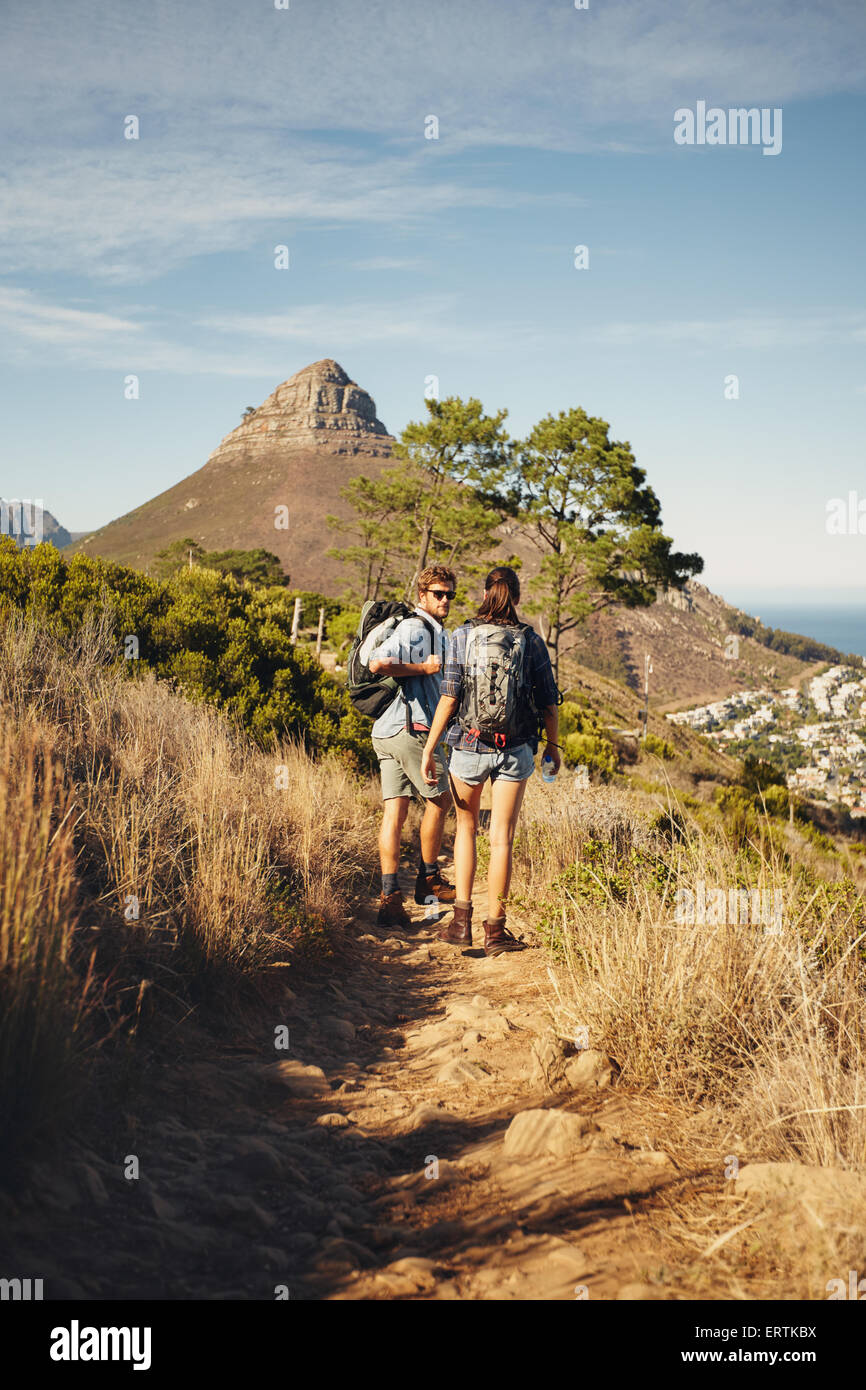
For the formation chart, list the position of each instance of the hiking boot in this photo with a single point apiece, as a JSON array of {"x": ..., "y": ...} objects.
[
  {"x": 434, "y": 887},
  {"x": 459, "y": 930},
  {"x": 392, "y": 913},
  {"x": 497, "y": 940}
]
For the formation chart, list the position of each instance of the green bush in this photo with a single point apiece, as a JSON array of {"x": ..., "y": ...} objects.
[
  {"x": 776, "y": 800},
  {"x": 577, "y": 718},
  {"x": 217, "y": 640},
  {"x": 738, "y": 811},
  {"x": 758, "y": 774},
  {"x": 659, "y": 747},
  {"x": 342, "y": 628},
  {"x": 590, "y": 750},
  {"x": 583, "y": 741}
]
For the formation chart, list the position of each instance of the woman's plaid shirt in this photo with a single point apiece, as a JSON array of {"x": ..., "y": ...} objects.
[{"x": 544, "y": 687}]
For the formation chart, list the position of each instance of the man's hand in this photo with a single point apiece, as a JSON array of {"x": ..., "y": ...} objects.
[
  {"x": 555, "y": 756},
  {"x": 431, "y": 666}
]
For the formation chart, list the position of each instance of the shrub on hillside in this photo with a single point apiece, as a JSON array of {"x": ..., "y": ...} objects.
[
  {"x": 342, "y": 628},
  {"x": 762, "y": 1016},
  {"x": 591, "y": 751},
  {"x": 216, "y": 640},
  {"x": 583, "y": 742},
  {"x": 659, "y": 747}
]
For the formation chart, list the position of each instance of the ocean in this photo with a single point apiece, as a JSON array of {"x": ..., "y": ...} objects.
[{"x": 840, "y": 624}]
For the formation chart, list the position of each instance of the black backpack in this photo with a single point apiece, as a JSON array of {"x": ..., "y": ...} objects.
[{"x": 372, "y": 694}]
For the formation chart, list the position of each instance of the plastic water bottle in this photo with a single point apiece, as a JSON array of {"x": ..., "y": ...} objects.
[{"x": 548, "y": 771}]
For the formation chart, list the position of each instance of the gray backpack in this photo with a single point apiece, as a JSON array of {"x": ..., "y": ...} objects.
[{"x": 497, "y": 705}]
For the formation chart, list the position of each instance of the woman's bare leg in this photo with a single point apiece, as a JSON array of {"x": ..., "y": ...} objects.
[
  {"x": 507, "y": 800},
  {"x": 466, "y": 803}
]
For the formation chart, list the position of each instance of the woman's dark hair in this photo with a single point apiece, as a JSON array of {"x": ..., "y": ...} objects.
[{"x": 502, "y": 592}]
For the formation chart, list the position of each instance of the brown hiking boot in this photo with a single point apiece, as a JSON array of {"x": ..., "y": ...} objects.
[
  {"x": 459, "y": 930},
  {"x": 392, "y": 913},
  {"x": 497, "y": 940},
  {"x": 435, "y": 887}
]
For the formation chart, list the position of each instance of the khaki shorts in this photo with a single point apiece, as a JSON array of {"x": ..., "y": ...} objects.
[{"x": 400, "y": 766}]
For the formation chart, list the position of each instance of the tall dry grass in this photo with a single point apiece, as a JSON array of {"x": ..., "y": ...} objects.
[
  {"x": 40, "y": 997},
  {"x": 148, "y": 850},
  {"x": 765, "y": 1025}
]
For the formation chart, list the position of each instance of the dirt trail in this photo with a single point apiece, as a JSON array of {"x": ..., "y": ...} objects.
[{"x": 386, "y": 1177}]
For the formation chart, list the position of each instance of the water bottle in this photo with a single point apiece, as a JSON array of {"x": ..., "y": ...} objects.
[{"x": 548, "y": 771}]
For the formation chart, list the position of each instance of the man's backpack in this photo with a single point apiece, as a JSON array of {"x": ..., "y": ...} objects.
[
  {"x": 497, "y": 704},
  {"x": 372, "y": 694}
]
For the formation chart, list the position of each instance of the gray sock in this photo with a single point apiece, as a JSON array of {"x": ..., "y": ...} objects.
[{"x": 389, "y": 884}]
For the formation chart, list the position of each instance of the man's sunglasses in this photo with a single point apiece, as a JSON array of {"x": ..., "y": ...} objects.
[{"x": 441, "y": 593}]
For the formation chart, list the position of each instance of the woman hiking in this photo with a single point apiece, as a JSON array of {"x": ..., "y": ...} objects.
[{"x": 498, "y": 679}]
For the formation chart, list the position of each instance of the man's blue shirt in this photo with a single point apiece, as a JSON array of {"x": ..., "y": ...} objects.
[{"x": 410, "y": 642}]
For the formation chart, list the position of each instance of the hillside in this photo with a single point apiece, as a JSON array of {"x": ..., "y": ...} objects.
[
  {"x": 687, "y": 637},
  {"x": 294, "y": 452}
]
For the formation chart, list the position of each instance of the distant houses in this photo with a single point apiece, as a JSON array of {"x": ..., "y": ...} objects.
[{"x": 835, "y": 748}]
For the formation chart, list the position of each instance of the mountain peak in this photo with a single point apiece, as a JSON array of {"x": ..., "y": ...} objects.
[{"x": 319, "y": 406}]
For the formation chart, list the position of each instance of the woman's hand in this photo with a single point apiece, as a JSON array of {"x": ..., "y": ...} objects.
[{"x": 428, "y": 767}]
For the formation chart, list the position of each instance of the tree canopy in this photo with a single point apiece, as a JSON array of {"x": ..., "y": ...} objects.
[
  {"x": 596, "y": 523},
  {"x": 440, "y": 504}
]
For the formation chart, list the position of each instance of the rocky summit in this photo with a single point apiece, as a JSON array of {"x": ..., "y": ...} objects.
[
  {"x": 320, "y": 407},
  {"x": 293, "y": 454}
]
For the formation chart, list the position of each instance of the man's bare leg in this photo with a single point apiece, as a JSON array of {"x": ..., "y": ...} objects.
[
  {"x": 432, "y": 826},
  {"x": 393, "y": 819}
]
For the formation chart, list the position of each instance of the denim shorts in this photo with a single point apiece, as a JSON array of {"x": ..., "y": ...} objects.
[{"x": 510, "y": 764}]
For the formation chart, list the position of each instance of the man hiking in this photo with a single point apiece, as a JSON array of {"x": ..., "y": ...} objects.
[
  {"x": 414, "y": 653},
  {"x": 498, "y": 682}
]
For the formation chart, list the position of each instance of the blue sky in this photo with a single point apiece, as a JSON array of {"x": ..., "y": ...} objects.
[{"x": 451, "y": 257}]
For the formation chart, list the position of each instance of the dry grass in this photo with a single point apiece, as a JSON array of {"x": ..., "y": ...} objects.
[
  {"x": 39, "y": 1010},
  {"x": 766, "y": 1024},
  {"x": 758, "y": 1035},
  {"x": 153, "y": 833}
]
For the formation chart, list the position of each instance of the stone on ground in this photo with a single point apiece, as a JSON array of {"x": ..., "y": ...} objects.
[{"x": 536, "y": 1132}]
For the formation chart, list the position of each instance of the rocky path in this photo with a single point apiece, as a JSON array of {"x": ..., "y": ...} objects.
[{"x": 423, "y": 1136}]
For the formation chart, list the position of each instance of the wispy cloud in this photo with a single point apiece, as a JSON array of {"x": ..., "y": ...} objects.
[
  {"x": 431, "y": 321},
  {"x": 501, "y": 70},
  {"x": 135, "y": 213},
  {"x": 24, "y": 315},
  {"x": 34, "y": 329},
  {"x": 252, "y": 118}
]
